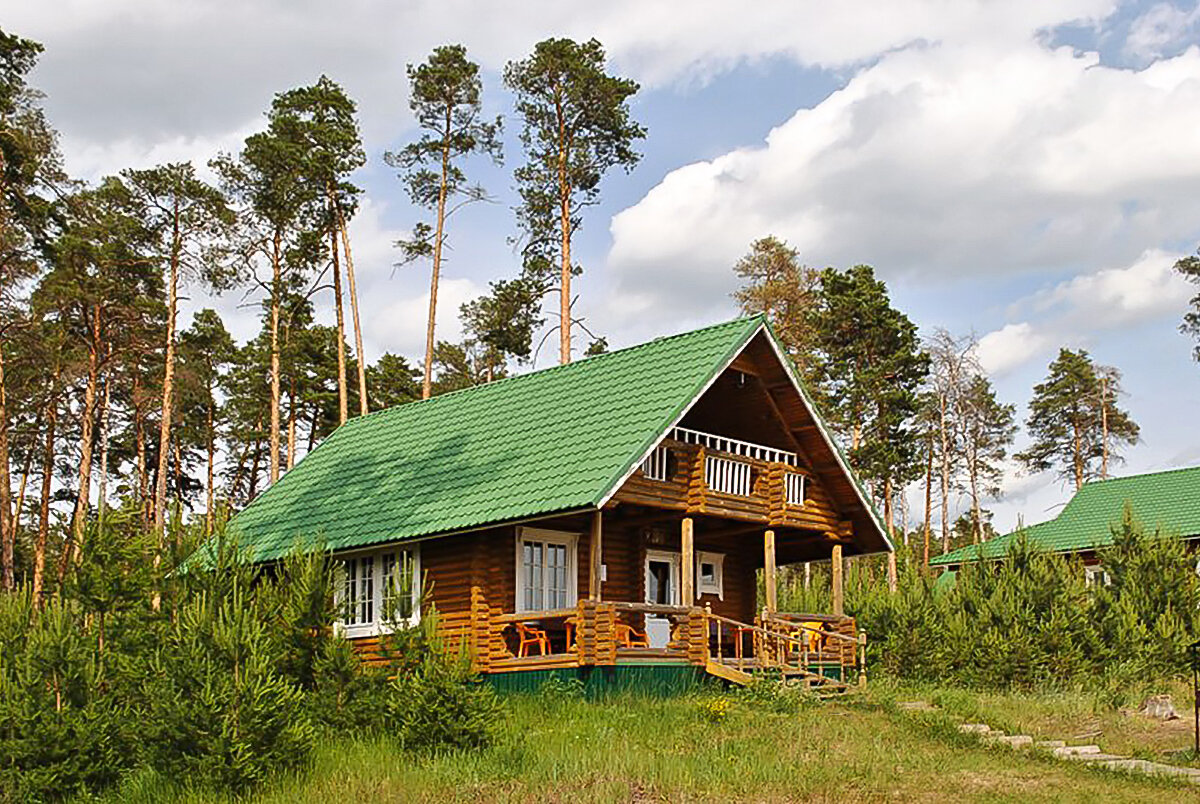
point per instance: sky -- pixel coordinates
(1027, 171)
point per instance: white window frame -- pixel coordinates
(377, 624)
(1096, 574)
(717, 586)
(560, 538)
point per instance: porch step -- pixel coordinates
(730, 674)
(813, 681)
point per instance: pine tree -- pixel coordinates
(986, 430)
(102, 286)
(29, 169)
(280, 205)
(188, 218)
(445, 97)
(1073, 419)
(576, 127)
(208, 349)
(1189, 267)
(321, 119)
(871, 370)
(776, 283)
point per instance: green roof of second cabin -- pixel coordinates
(556, 440)
(1167, 500)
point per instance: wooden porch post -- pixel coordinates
(836, 573)
(595, 562)
(769, 570)
(687, 564)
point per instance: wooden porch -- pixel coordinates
(823, 651)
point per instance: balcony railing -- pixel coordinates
(733, 446)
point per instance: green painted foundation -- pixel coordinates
(644, 679)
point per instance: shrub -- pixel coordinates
(220, 713)
(440, 707)
(59, 733)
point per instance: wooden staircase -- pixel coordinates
(821, 684)
(780, 652)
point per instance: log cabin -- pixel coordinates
(606, 519)
(1165, 502)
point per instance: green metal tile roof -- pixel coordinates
(552, 440)
(1168, 500)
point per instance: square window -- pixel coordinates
(378, 590)
(709, 572)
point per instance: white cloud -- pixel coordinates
(951, 160)
(1073, 312)
(141, 72)
(1115, 297)
(1001, 351)
(400, 322)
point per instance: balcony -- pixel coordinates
(705, 473)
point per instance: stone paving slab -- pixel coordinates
(1090, 754)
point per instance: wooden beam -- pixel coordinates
(839, 608)
(595, 564)
(769, 570)
(687, 564)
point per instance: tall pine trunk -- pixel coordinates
(43, 531)
(139, 438)
(164, 427)
(211, 450)
(363, 405)
(891, 529)
(435, 274)
(944, 433)
(1078, 458)
(343, 402)
(564, 211)
(276, 301)
(74, 543)
(7, 531)
(928, 495)
(291, 459)
(1103, 428)
(105, 421)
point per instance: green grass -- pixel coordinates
(1079, 716)
(639, 749)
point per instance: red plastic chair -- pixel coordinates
(528, 636)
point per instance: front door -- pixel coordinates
(662, 588)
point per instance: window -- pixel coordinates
(1096, 575)
(546, 577)
(379, 589)
(709, 574)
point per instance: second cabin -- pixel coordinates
(604, 516)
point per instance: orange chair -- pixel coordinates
(528, 636)
(814, 633)
(630, 637)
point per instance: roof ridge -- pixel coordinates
(562, 366)
(1140, 475)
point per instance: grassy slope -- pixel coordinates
(665, 750)
(1072, 716)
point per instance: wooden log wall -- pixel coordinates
(687, 491)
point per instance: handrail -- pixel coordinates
(649, 608)
(734, 446)
(522, 616)
(804, 627)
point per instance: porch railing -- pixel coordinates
(598, 633)
(733, 446)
